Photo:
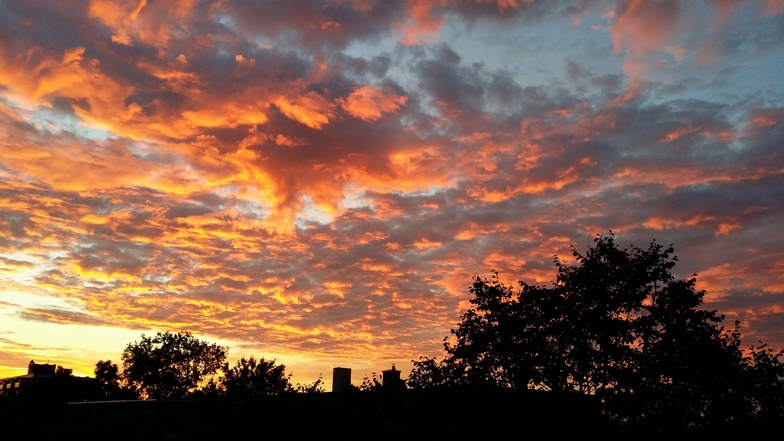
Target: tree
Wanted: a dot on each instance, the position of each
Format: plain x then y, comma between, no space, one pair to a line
111,382
250,379
170,365
617,325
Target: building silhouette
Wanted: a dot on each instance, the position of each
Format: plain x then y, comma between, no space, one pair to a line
341,379
37,374
47,382
391,379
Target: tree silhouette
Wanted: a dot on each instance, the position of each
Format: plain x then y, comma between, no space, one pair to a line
372,383
429,373
250,379
765,384
617,325
111,381
170,365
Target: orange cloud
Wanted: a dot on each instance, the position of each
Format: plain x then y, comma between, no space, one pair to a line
310,109
766,117
227,114
420,25
36,77
370,103
677,133
424,244
150,23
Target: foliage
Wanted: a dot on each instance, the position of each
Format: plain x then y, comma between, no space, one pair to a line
765,381
170,365
179,365
617,325
428,372
372,383
250,379
111,381
312,388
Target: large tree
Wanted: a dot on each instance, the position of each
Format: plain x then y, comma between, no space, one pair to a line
618,325
170,365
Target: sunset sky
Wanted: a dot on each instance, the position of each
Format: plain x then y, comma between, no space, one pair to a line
317,182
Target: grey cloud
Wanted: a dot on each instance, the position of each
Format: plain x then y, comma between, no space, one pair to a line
55,315
186,210
314,25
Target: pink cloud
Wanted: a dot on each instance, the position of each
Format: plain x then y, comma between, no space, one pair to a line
641,29
422,24
773,7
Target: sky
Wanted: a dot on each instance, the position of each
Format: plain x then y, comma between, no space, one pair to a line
318,182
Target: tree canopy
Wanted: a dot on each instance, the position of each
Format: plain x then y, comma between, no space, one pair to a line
170,365
111,382
617,325
251,378
179,365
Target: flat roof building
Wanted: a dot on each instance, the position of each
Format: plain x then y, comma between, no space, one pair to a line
341,379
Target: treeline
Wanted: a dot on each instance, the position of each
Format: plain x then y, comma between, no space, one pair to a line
179,365
620,327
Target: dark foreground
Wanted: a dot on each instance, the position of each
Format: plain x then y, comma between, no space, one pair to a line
389,415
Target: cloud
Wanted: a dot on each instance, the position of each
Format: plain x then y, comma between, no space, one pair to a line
62,317
641,29
369,103
310,109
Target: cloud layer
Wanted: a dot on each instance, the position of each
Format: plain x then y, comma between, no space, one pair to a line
320,180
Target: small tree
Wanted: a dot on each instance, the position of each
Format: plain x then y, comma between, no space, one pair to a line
250,379
170,365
